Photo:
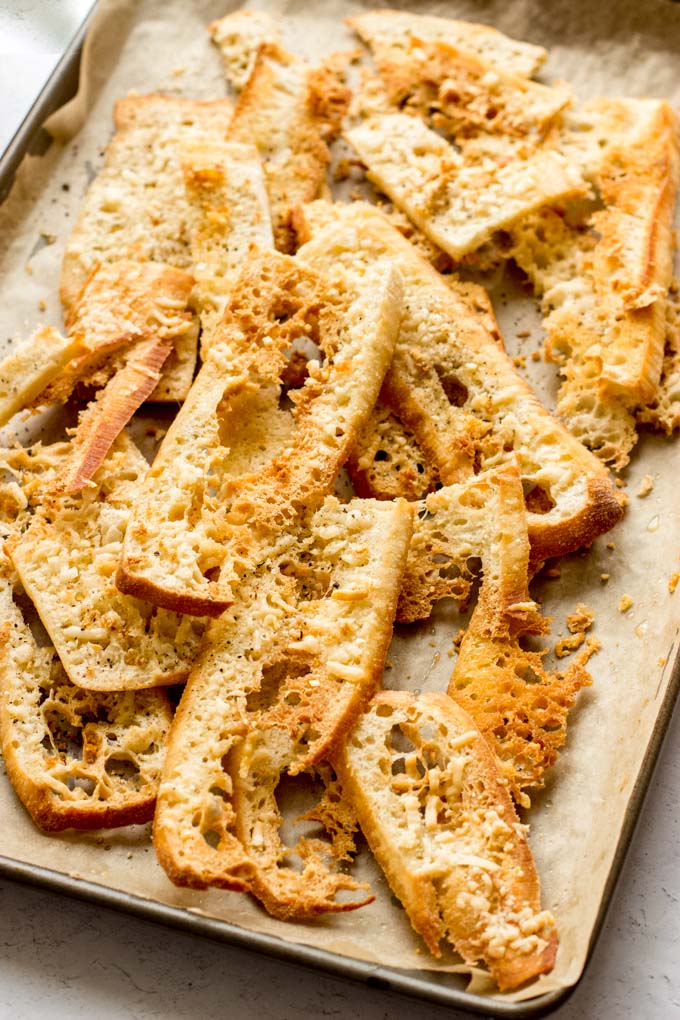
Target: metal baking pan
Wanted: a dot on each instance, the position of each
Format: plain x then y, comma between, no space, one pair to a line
438,988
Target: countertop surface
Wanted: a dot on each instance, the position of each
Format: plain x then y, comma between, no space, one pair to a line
78,960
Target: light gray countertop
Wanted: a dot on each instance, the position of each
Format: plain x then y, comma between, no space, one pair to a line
73,959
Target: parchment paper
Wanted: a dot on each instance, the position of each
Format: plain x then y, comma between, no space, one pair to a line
626,48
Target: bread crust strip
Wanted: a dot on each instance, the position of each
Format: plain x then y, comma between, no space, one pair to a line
288,110
440,822
283,675
457,206
519,707
460,94
398,28
235,467
67,558
454,387
227,195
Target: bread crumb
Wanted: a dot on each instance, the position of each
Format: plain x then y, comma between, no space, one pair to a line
48,238
625,603
646,486
581,619
535,355
520,361
523,333
611,545
177,71
604,577
388,664
552,573
342,170
459,638
673,582
29,270
42,305
661,662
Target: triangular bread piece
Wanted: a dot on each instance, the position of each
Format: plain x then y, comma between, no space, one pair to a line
237,465
452,384
283,675
437,816
238,37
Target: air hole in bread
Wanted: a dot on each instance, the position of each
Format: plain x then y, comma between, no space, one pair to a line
537,498
456,392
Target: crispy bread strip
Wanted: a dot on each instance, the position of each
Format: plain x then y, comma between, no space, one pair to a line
460,94
519,707
457,206
605,290
435,811
66,560
289,110
283,675
31,367
238,37
106,416
663,412
76,759
226,191
455,388
121,304
136,207
236,466
398,28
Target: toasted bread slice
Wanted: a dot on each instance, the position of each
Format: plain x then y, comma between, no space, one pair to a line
457,206
238,37
76,759
235,466
226,191
289,110
452,384
66,560
136,207
398,28
32,366
460,94
519,707
605,289
435,811
121,304
283,675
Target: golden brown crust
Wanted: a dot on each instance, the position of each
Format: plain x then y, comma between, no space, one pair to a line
439,820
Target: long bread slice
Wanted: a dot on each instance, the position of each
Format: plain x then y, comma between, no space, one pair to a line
435,811
67,558
457,206
238,37
283,675
226,191
452,384
136,207
519,707
75,758
604,290
288,110
398,28
235,466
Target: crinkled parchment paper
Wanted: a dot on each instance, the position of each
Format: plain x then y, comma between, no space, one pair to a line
621,48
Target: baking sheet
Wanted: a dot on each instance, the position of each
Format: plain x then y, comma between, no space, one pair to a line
577,821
